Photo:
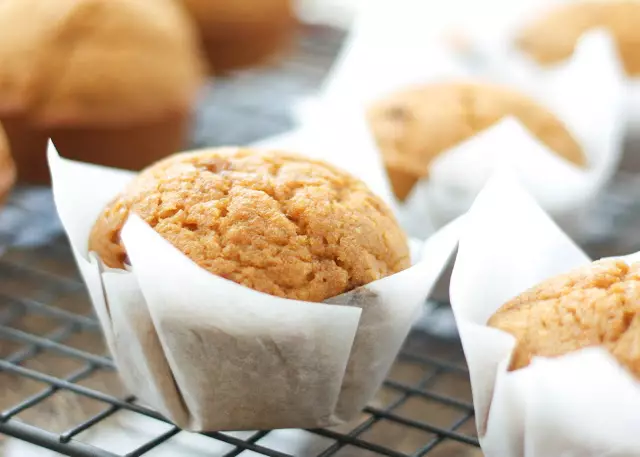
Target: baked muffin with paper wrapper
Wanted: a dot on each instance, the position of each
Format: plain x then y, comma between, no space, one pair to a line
594,305
414,125
550,337
242,33
541,123
552,37
198,321
111,81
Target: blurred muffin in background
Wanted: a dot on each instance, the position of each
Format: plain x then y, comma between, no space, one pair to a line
242,33
7,167
552,37
413,126
112,82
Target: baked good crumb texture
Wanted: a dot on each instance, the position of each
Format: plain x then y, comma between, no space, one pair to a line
276,222
596,305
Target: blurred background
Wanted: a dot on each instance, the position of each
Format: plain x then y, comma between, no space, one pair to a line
59,394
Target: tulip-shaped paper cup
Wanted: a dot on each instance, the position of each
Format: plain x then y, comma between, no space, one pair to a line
387,52
493,46
581,404
210,354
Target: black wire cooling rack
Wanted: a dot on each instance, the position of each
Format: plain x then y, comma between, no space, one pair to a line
59,392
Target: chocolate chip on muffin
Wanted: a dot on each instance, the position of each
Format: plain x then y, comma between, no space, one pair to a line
276,222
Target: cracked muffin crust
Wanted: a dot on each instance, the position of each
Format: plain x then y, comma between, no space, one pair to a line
413,126
595,305
552,38
273,221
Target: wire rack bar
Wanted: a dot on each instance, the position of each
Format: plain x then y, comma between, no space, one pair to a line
69,434
154,442
49,344
424,382
49,440
421,425
440,438
346,439
253,439
46,393
60,314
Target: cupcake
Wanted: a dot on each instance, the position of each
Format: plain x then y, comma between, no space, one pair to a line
275,222
414,125
7,168
241,33
110,81
552,37
594,305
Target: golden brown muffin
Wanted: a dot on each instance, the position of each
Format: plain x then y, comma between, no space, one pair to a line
276,222
7,168
595,305
553,37
241,33
413,126
110,81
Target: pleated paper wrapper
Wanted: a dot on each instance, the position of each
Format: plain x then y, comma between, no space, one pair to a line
580,404
389,49
210,354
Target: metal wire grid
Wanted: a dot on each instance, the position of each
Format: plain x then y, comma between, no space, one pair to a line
59,389
50,345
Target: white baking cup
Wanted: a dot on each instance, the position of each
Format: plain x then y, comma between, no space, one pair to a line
391,48
581,404
213,355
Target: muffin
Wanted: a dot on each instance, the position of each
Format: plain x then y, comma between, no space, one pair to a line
7,167
110,81
553,37
595,305
414,125
276,222
241,33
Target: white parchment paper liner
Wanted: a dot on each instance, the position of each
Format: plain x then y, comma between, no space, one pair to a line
582,404
213,355
389,48
491,44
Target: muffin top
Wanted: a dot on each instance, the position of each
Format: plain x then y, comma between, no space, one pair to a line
241,33
70,62
552,37
413,126
7,167
595,305
273,221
